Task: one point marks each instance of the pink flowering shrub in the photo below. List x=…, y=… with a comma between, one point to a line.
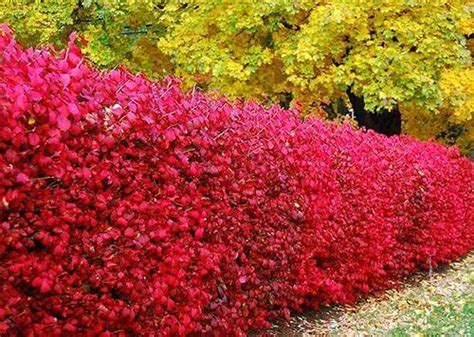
x=128, y=207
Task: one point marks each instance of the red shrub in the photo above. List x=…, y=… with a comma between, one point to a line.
x=128, y=206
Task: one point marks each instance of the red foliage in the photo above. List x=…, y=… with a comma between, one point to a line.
x=128, y=206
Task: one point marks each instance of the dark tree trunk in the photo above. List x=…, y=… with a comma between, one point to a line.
x=337, y=108
x=387, y=122
x=285, y=99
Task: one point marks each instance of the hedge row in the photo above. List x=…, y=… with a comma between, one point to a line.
x=128, y=207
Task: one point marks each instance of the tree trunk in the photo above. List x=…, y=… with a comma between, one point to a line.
x=285, y=99
x=387, y=122
x=336, y=109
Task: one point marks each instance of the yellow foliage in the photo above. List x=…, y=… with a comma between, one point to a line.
x=453, y=122
x=457, y=87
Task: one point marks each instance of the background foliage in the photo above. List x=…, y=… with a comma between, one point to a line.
x=412, y=54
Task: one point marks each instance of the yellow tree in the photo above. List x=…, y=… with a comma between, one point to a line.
x=378, y=54
x=453, y=121
x=117, y=31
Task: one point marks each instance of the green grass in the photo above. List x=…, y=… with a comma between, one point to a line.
x=449, y=320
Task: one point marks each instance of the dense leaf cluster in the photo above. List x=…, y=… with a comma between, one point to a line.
x=129, y=207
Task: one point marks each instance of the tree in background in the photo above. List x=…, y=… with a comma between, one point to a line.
x=382, y=59
x=117, y=32
x=453, y=121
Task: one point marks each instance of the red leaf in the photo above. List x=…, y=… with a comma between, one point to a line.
x=63, y=123
x=22, y=178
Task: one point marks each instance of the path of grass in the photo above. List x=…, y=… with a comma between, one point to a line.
x=437, y=305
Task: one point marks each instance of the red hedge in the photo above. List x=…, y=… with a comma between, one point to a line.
x=128, y=207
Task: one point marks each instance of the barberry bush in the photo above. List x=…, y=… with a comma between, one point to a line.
x=128, y=207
